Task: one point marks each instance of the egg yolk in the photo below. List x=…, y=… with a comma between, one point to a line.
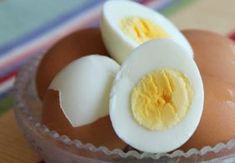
x=161, y=99
x=141, y=30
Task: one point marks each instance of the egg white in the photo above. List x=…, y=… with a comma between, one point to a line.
x=84, y=86
x=150, y=56
x=117, y=42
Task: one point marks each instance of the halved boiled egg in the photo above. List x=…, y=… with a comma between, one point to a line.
x=126, y=24
x=157, y=97
x=83, y=87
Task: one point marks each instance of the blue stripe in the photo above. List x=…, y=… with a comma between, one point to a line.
x=47, y=27
x=167, y=4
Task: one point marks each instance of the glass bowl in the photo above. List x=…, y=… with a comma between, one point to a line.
x=53, y=147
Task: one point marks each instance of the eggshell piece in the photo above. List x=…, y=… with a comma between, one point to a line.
x=214, y=54
x=99, y=133
x=78, y=44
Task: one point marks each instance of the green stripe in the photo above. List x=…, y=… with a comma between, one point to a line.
x=6, y=103
x=178, y=4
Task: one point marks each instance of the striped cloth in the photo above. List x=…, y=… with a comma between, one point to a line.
x=65, y=17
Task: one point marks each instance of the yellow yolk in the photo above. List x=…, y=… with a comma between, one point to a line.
x=141, y=30
x=161, y=99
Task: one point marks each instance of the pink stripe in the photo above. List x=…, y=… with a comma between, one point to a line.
x=6, y=81
x=8, y=77
x=232, y=36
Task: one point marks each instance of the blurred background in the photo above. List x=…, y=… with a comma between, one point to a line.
x=28, y=28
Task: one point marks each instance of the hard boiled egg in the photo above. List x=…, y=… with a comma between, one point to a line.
x=76, y=103
x=157, y=97
x=125, y=25
x=84, y=86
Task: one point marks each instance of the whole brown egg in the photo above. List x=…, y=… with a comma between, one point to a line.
x=215, y=56
x=76, y=45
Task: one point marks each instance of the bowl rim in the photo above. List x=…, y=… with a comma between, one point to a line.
x=20, y=105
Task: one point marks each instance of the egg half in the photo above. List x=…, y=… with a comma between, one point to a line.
x=83, y=87
x=125, y=25
x=157, y=97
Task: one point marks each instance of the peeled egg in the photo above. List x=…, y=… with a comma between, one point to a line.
x=84, y=87
x=125, y=25
x=157, y=97
x=78, y=99
x=80, y=43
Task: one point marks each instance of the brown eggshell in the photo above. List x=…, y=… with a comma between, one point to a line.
x=76, y=45
x=218, y=119
x=99, y=133
x=214, y=54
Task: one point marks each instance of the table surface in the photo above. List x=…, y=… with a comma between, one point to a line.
x=13, y=146
x=215, y=15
